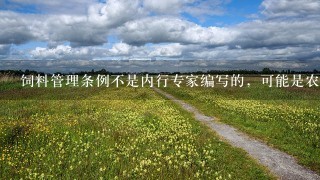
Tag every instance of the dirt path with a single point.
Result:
(279, 163)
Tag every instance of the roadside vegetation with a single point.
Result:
(286, 118)
(109, 133)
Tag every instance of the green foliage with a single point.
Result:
(287, 118)
(112, 133)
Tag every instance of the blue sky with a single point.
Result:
(167, 29)
(235, 12)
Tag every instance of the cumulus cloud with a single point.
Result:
(170, 29)
(169, 50)
(76, 30)
(115, 12)
(93, 28)
(17, 29)
(285, 53)
(290, 8)
(175, 51)
(196, 8)
(166, 6)
(156, 66)
(61, 52)
(121, 49)
(277, 34)
(88, 29)
(149, 28)
(14, 29)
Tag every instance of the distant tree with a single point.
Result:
(266, 71)
(27, 71)
(103, 71)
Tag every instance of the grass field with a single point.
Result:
(109, 133)
(286, 118)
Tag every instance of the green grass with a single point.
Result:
(110, 133)
(287, 118)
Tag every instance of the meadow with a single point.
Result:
(111, 133)
(285, 118)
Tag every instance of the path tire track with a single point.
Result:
(278, 162)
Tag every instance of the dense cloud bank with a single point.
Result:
(149, 29)
(171, 66)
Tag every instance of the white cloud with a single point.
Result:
(166, 6)
(166, 29)
(80, 30)
(282, 64)
(196, 8)
(19, 29)
(121, 49)
(289, 8)
(277, 33)
(14, 29)
(115, 12)
(77, 30)
(169, 50)
(224, 53)
(289, 29)
(61, 52)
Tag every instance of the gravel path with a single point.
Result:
(279, 163)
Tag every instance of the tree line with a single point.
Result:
(104, 71)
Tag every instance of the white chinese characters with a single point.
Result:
(161, 80)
